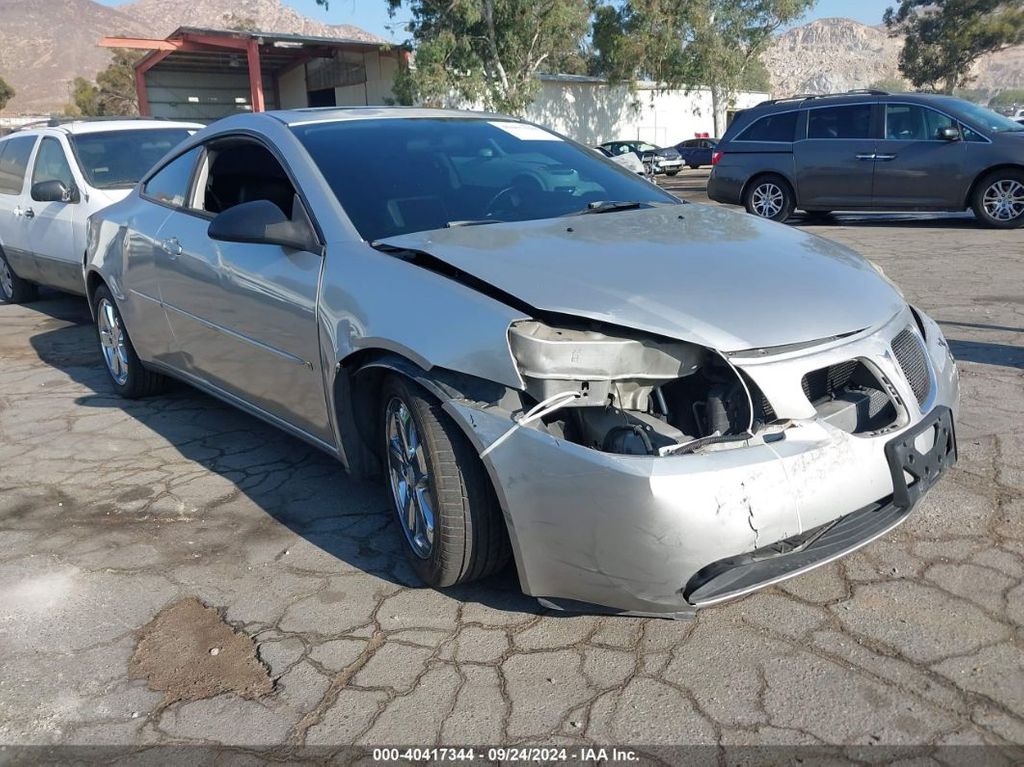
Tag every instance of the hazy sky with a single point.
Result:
(372, 15)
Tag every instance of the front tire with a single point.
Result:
(671, 172)
(445, 506)
(998, 199)
(770, 197)
(13, 289)
(131, 379)
(691, 166)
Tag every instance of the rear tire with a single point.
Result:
(770, 197)
(671, 172)
(131, 379)
(441, 478)
(13, 289)
(998, 199)
(694, 167)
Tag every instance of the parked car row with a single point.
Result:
(872, 151)
(548, 358)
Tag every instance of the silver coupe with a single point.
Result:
(649, 406)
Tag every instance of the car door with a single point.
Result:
(56, 232)
(15, 155)
(244, 315)
(835, 163)
(915, 167)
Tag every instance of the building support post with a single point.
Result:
(255, 76)
(142, 92)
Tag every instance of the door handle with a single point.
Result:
(27, 212)
(885, 157)
(867, 156)
(171, 247)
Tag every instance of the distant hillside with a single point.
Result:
(45, 44)
(831, 55)
(164, 16)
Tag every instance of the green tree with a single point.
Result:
(487, 50)
(113, 93)
(692, 43)
(6, 93)
(945, 37)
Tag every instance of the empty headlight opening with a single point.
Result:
(635, 394)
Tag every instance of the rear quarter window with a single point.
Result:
(775, 128)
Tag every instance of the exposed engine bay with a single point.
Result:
(685, 398)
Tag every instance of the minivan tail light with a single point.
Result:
(715, 157)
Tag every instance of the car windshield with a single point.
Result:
(395, 176)
(988, 119)
(644, 147)
(112, 159)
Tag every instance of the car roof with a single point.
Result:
(853, 97)
(104, 125)
(293, 117)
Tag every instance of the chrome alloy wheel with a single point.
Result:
(410, 480)
(1004, 200)
(112, 341)
(6, 279)
(767, 200)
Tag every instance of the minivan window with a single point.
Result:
(52, 164)
(171, 183)
(14, 163)
(845, 122)
(988, 119)
(909, 122)
(112, 159)
(777, 127)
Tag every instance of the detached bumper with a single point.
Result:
(665, 535)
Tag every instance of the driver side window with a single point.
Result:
(237, 172)
(52, 164)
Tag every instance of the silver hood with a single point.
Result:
(692, 272)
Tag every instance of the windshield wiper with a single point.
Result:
(473, 222)
(608, 206)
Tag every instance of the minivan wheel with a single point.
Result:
(769, 197)
(129, 376)
(446, 509)
(998, 199)
(13, 289)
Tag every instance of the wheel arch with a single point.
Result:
(969, 199)
(764, 173)
(355, 395)
(93, 280)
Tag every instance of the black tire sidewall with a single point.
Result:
(978, 204)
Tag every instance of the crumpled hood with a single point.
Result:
(698, 273)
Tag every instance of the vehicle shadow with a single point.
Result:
(1001, 355)
(886, 220)
(301, 487)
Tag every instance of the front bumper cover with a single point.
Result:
(630, 534)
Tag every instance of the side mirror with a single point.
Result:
(262, 222)
(53, 191)
(949, 134)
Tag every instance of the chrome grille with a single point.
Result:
(911, 355)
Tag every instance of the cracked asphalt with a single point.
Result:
(112, 512)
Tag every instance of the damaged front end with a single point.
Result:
(653, 476)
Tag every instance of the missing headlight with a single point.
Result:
(637, 394)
